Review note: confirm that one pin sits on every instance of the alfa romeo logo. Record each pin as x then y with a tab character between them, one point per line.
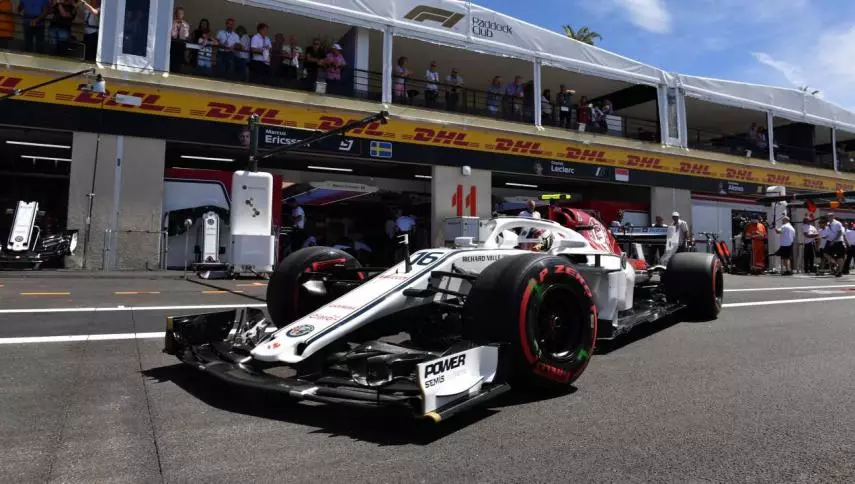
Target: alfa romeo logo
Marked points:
300	330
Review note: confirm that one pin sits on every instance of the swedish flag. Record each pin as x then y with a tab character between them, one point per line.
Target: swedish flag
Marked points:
380	149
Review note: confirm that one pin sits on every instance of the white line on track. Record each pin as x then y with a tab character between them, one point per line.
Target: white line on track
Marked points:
90	337
787	288
79	338
127	308
786	301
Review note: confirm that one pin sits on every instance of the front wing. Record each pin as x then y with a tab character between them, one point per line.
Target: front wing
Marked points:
444	384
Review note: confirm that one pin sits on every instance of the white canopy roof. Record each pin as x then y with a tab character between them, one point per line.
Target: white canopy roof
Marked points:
462	24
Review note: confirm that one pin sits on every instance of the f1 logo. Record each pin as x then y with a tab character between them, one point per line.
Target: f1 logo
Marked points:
423	12
470	201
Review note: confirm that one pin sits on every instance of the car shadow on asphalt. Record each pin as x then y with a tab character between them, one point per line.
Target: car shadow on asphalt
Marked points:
637	333
383	426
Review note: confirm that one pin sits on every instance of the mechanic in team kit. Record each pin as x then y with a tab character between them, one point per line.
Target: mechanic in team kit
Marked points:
837	244
785	251
811	234
298	222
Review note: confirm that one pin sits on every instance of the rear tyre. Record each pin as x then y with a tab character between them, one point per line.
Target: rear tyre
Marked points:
696	280
287	300
544	310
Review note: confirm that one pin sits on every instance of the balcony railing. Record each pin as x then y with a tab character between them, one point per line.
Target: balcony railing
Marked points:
728	143
195	60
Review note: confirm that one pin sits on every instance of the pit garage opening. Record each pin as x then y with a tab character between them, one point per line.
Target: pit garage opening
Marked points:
36	167
347	202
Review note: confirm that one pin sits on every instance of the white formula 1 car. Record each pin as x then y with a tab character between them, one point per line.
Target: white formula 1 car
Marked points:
447	328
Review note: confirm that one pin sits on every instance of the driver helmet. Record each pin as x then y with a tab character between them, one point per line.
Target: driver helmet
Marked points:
536	239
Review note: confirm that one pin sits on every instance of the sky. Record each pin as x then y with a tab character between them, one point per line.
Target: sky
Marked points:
790	43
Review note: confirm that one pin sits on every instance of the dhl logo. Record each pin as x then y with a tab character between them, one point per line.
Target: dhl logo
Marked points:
695	168
644	162
775	179
149	101
217	110
329	123
739	174
811	183
442	136
522	147
585	155
9	84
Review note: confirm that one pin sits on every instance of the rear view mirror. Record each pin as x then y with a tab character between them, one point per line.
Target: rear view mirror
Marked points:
570	244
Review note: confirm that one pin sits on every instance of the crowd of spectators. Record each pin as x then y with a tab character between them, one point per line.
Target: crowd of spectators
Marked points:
58	27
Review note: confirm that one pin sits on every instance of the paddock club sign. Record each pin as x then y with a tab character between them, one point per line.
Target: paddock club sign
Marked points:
298	118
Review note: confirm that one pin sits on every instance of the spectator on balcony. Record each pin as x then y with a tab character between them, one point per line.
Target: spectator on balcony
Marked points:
314	55
494	96
204	26
242	53
180	33
32	16
7	22
260	45
91	22
333	63
63	13
565	106
514	96
205	56
546	107
843	155
452	93
277	59
752	134
431	88
401	76
292	59
227	39
583	112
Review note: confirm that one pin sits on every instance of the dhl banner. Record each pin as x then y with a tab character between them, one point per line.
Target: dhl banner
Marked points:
237	110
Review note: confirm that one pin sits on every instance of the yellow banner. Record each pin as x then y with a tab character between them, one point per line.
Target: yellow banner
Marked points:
228	109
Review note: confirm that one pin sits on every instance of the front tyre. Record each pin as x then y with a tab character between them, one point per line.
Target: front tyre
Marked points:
544	310
696	280
287	300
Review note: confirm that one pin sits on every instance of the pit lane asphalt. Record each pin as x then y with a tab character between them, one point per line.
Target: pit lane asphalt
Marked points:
762	394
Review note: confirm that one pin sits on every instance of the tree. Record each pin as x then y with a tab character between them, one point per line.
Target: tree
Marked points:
584	34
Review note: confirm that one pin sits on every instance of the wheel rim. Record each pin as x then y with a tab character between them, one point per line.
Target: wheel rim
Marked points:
559	330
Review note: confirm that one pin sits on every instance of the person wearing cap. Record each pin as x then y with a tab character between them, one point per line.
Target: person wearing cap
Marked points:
682	229
431	88
333	63
837	245
453	86
785	250
811	234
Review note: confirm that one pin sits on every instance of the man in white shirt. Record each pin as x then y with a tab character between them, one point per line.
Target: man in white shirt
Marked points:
850	250
453	88
531	210
431	88
785	251
227	39
810	242
260	47
836	242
